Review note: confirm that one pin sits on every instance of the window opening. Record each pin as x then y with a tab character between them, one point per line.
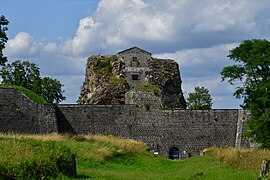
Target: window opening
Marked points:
135	76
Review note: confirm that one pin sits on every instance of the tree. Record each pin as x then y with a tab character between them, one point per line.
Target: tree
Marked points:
251	74
51	90
200	99
27	75
3	38
22	73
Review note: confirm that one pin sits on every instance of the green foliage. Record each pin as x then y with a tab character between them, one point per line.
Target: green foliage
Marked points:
115	81
32	159
30	94
51	90
27	75
251	74
22	73
147	87
3	38
103	67
260	126
199	99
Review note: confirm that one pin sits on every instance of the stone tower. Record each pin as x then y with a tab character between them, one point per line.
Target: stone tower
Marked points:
136	64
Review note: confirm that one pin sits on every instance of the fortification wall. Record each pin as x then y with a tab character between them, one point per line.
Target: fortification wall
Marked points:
189	130
18	114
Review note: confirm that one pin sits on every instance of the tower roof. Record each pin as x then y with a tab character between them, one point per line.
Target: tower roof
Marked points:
136	49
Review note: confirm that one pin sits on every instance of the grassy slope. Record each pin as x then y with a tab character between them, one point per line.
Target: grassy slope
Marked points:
145	166
30	94
100	157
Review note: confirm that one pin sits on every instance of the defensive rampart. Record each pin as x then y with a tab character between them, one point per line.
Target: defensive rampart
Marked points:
190	131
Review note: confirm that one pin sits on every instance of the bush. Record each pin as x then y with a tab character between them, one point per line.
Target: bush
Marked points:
28	158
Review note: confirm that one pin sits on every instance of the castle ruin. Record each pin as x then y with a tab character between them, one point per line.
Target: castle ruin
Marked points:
173	133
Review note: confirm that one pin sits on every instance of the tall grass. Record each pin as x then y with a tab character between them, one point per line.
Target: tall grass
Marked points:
101	157
24	158
249	159
94	148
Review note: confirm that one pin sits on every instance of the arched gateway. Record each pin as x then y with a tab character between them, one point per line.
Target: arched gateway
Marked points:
174	153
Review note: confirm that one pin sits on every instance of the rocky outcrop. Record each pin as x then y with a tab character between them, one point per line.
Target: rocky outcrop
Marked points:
108	78
165	74
105	81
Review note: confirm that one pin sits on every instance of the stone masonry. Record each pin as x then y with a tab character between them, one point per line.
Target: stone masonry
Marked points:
161	129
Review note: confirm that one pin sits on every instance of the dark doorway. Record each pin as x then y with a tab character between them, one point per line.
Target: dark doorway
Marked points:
174	153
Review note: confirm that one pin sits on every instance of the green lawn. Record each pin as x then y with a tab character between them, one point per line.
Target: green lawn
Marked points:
146	166
108	157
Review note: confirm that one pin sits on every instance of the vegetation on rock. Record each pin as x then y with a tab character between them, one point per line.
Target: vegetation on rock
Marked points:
105	82
147	87
165	74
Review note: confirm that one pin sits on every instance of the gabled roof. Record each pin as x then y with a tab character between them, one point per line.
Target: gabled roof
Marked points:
136	48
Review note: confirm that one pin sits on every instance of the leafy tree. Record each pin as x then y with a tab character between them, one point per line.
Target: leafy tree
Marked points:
200	99
27	75
251	74
22	73
3	38
51	90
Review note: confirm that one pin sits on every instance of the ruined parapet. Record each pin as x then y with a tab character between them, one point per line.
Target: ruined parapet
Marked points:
144	99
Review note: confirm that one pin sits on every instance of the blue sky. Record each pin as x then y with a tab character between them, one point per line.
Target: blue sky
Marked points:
59	35
48	19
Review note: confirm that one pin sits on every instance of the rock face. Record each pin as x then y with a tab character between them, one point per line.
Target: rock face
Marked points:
105	82
108	78
165	74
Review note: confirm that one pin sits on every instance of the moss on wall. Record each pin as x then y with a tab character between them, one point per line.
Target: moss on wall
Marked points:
147	87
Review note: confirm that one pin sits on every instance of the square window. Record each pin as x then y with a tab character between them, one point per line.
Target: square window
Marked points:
135	76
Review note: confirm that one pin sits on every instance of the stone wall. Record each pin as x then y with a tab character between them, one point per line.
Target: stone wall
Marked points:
136	64
189	130
18	114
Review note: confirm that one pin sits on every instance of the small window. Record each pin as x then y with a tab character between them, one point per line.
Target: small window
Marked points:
135	76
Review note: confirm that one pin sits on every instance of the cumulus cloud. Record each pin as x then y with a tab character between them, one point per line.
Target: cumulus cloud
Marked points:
201	67
23	44
198	34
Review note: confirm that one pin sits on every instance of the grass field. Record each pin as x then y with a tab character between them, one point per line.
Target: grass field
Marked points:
108	157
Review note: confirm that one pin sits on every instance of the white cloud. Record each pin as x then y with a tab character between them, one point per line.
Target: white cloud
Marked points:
23	44
201	67
198	34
